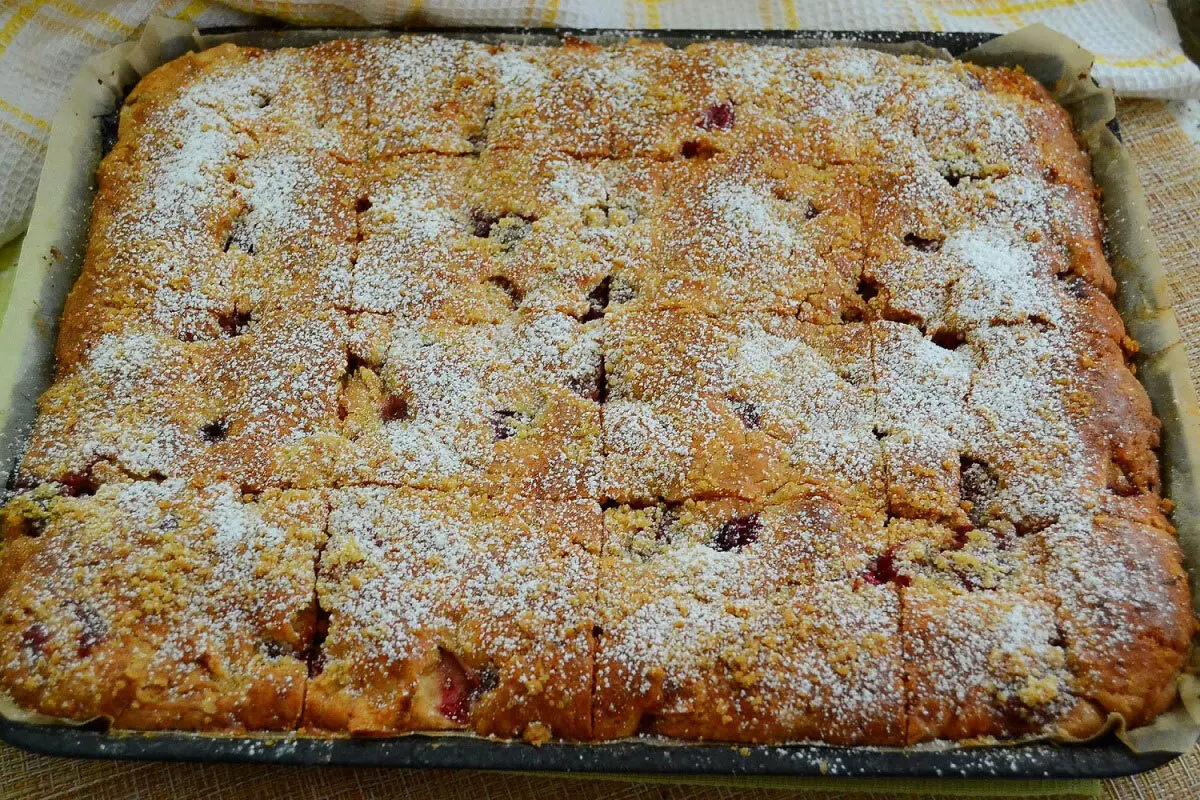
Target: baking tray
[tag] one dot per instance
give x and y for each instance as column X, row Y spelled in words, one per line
column 1105, row 757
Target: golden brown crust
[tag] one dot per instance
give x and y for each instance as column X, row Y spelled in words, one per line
column 160, row 606
column 736, row 621
column 147, row 405
column 1128, row 631
column 447, row 611
column 835, row 327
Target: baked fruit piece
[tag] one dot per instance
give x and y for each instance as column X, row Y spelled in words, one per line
column 743, row 621
column 699, row 406
column 157, row 605
column 498, row 407
column 456, row 611
column 142, row 404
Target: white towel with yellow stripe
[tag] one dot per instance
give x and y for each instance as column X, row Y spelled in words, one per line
column 44, row 42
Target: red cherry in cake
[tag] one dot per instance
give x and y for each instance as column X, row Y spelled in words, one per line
column 461, row 687
column 718, row 118
column 1075, row 286
column 748, row 413
column 316, row 652
column 486, row 680
column 947, row 340
column 80, row 484
column 737, row 533
column 598, row 300
column 457, row 690
column 591, row 385
column 234, row 323
column 395, row 407
column 883, row 570
column 34, row 638
column 969, row 581
column 92, row 629
column 505, row 424
column 214, row 431
column 274, row 648
column 482, row 222
column 921, row 243
column 667, row 520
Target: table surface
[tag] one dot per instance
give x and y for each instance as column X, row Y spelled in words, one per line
column 1165, row 141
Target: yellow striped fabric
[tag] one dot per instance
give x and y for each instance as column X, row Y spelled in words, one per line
column 43, row 43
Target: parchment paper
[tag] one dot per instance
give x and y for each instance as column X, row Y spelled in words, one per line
column 54, row 248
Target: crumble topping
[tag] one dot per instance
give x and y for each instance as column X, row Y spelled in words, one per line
column 730, row 392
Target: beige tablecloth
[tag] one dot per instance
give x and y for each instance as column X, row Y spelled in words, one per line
column 1169, row 163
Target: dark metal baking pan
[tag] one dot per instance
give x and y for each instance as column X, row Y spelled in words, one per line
column 1106, row 757
column 1103, row 758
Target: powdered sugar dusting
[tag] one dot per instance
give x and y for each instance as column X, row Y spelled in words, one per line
column 194, row 581
column 471, row 392
column 999, row 281
column 425, row 567
column 823, row 329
